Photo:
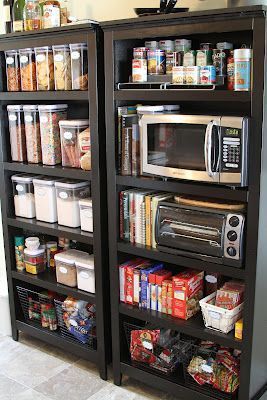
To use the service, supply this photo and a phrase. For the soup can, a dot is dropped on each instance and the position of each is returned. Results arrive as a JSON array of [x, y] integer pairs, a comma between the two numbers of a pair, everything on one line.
[[140, 53], [139, 70], [192, 75], [204, 57], [178, 75], [166, 45], [152, 45], [156, 62], [219, 58], [208, 75]]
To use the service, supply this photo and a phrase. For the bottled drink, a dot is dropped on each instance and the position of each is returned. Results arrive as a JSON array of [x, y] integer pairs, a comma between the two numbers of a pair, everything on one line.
[[32, 15], [17, 14], [8, 4]]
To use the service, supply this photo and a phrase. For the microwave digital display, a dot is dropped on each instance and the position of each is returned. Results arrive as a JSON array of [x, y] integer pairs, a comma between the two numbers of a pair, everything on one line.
[[232, 132]]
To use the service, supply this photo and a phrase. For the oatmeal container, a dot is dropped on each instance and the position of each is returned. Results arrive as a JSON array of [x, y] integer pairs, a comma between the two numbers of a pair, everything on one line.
[[44, 68], [66, 268], [27, 70], [13, 70], [86, 214], [17, 133], [70, 132], [79, 66], [50, 115], [32, 133], [45, 199], [62, 67], [23, 195], [68, 195], [86, 273]]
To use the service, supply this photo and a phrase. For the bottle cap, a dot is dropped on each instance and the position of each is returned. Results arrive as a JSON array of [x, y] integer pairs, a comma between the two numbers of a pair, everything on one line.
[[243, 53]]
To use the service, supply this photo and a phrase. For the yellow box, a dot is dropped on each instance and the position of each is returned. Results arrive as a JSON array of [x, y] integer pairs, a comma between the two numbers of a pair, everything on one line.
[[239, 329]]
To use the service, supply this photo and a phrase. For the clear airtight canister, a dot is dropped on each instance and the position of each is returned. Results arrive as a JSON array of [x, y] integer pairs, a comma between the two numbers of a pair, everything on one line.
[[45, 199], [62, 67], [17, 133], [24, 201], [44, 68], [32, 133], [242, 61], [79, 66], [13, 70]]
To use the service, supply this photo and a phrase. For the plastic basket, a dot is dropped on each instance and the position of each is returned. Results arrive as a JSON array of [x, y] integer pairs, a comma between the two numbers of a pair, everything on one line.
[[218, 318]]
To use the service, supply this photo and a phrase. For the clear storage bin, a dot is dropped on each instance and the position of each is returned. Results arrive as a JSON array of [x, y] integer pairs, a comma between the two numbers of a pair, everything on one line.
[[34, 261], [17, 133], [75, 141], [62, 67], [32, 132], [79, 66], [44, 68], [50, 115], [13, 70], [45, 199], [86, 273], [68, 195], [27, 70], [86, 214], [23, 195], [66, 268]]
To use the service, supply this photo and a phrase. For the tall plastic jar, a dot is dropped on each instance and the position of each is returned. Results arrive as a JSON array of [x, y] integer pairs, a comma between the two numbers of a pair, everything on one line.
[[45, 199], [23, 196], [17, 133], [242, 59], [12, 70], [79, 66], [44, 68], [62, 67], [50, 115], [32, 132], [27, 70]]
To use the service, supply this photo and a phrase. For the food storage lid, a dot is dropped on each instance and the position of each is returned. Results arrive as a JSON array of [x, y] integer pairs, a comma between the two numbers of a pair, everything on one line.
[[34, 252], [15, 107], [242, 53], [75, 123], [171, 107], [86, 261], [69, 184], [32, 243], [60, 47], [225, 46], [27, 50], [52, 107], [30, 107], [44, 180], [145, 109], [11, 53], [86, 202], [23, 178], [70, 256], [75, 46], [44, 48]]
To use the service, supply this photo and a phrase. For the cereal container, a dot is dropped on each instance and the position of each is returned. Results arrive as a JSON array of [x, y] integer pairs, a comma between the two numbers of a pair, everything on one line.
[[68, 195], [86, 273], [44, 68], [32, 132], [66, 268], [13, 70], [27, 70], [62, 67], [72, 145], [45, 199], [86, 212], [17, 133], [34, 261], [79, 66], [23, 195], [50, 115]]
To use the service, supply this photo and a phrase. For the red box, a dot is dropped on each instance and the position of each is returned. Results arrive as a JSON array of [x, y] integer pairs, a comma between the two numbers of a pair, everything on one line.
[[158, 277], [129, 279]]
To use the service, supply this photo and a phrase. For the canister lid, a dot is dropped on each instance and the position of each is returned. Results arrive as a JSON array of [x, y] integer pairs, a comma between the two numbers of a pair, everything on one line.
[[86, 261], [242, 53], [69, 184], [61, 47], [27, 50], [52, 107], [15, 107], [43, 48], [76, 46], [75, 123], [11, 52], [50, 245], [23, 178], [30, 107], [44, 180], [34, 252], [149, 109], [86, 202], [225, 46], [70, 256], [171, 107]]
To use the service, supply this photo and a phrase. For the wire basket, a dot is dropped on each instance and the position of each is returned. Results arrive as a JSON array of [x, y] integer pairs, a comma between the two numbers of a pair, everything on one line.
[[38, 308]]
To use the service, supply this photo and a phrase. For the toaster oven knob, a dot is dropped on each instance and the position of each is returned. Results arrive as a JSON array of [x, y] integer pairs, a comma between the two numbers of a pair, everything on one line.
[[234, 221], [232, 236], [231, 251]]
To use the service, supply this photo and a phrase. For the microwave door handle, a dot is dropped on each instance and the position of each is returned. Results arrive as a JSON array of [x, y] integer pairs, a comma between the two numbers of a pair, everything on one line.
[[208, 147]]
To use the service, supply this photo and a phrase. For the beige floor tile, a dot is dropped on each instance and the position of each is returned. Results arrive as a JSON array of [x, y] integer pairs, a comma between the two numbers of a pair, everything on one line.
[[60, 354], [87, 366], [112, 392], [142, 391], [30, 341], [11, 350], [9, 389], [31, 394]]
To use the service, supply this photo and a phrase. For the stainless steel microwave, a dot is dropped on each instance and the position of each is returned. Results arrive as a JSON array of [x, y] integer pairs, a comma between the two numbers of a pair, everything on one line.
[[195, 147]]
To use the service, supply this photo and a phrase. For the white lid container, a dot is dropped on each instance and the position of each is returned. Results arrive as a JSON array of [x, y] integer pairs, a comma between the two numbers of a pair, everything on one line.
[[32, 243], [24, 201], [86, 273], [25, 178], [86, 214], [45, 199]]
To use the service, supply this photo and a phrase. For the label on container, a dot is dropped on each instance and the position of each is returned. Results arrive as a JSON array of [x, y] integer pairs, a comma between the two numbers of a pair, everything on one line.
[[19, 188], [75, 55], [88, 213], [44, 119], [40, 57], [211, 279], [24, 59], [28, 118], [12, 117], [63, 195], [63, 270], [68, 135], [58, 58], [10, 60], [84, 275], [18, 26], [7, 14]]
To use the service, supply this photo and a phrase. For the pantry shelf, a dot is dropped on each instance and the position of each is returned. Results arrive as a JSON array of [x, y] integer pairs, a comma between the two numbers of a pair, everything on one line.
[[74, 95]]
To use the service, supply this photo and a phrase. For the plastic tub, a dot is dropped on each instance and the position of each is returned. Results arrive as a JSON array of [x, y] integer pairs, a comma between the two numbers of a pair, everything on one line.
[[75, 141], [66, 268], [45, 199], [23, 195], [50, 115], [86, 214], [44, 68], [17, 133], [27, 70], [13, 70], [32, 133], [79, 66], [86, 273], [34, 261], [62, 67]]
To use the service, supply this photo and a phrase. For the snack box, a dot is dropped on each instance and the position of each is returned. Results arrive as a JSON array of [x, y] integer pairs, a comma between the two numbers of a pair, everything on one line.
[[228, 299], [166, 296], [144, 284], [122, 274]]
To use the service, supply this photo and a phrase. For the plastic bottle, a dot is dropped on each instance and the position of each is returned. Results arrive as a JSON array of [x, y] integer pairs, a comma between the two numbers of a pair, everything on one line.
[[32, 15]]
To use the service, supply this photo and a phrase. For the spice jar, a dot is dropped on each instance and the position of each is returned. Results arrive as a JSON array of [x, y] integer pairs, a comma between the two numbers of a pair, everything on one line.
[[12, 70], [32, 15], [242, 59], [50, 115], [27, 70], [34, 261], [62, 67], [45, 199], [23, 195], [51, 250], [51, 14], [17, 133], [19, 252], [32, 132], [79, 66], [44, 68]]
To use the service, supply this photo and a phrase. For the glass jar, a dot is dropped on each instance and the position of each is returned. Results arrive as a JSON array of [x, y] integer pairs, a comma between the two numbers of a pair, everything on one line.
[[17, 133], [32, 15], [32, 133], [27, 70], [23, 195], [79, 66], [62, 65], [12, 70], [51, 14], [44, 68]]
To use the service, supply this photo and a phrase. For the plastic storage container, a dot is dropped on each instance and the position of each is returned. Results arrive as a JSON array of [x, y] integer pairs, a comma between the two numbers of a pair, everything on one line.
[[66, 268], [32, 243], [17, 133], [23, 195], [68, 195], [86, 214], [13, 71], [79, 66], [44, 68], [27, 70], [32, 133], [34, 261], [86, 273], [62, 67], [45, 199], [50, 115], [75, 141]]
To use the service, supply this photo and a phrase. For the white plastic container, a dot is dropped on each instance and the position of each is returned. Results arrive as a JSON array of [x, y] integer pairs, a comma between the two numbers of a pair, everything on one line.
[[86, 213], [45, 199], [68, 195], [24, 201], [218, 318], [86, 273], [66, 266]]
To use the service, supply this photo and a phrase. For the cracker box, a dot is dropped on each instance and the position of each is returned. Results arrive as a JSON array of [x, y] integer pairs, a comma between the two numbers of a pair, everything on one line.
[[144, 285], [187, 291]]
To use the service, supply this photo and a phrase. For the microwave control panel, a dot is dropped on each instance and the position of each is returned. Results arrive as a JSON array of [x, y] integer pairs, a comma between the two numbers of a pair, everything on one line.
[[231, 150], [233, 237]]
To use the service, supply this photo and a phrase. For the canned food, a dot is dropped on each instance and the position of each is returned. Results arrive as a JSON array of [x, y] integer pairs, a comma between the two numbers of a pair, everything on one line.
[[152, 45], [178, 75], [190, 58], [166, 45], [173, 59], [204, 57], [192, 75], [225, 46], [139, 70], [220, 61], [156, 62], [206, 46], [208, 75], [140, 53], [182, 45]]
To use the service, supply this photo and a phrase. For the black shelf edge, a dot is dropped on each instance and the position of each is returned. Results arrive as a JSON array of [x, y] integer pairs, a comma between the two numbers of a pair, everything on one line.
[[55, 339], [182, 187], [74, 95], [51, 229], [154, 254], [56, 171], [47, 280], [193, 326]]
